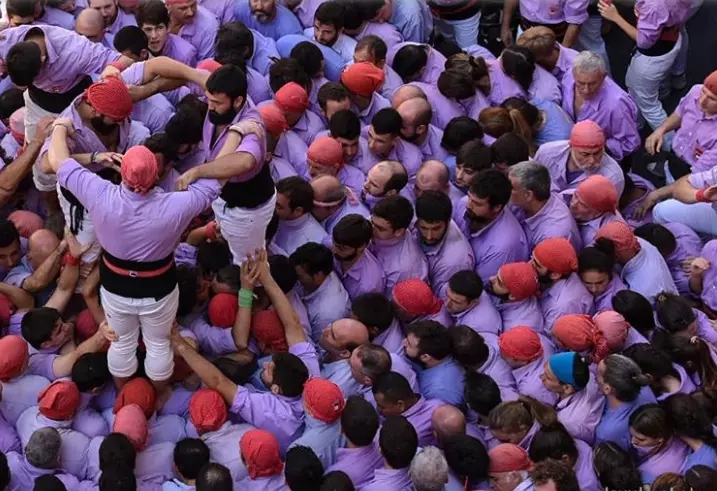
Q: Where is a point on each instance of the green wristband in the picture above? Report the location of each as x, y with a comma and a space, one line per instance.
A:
246, 298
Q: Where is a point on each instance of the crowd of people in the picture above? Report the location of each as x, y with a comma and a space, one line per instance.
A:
338, 245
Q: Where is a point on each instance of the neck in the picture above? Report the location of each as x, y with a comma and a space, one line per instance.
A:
613, 402
534, 207
694, 443
572, 166
432, 362
670, 384
421, 139
350, 444
346, 265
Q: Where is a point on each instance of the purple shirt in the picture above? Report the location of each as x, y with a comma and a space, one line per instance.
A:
249, 144
604, 300
387, 32
689, 245
269, 483
686, 384
655, 15
344, 45
390, 480
565, 296
588, 230
628, 212
431, 147
180, 49
323, 438
419, 415
352, 178
19, 394
358, 463
154, 112
496, 367
647, 273
377, 103
328, 303
292, 234
669, 459
155, 464
709, 278
70, 57
222, 9
9, 441
483, 317
56, 17
224, 447
391, 338
552, 220
475, 104
293, 149
434, 65
615, 422
527, 379
500, 242
280, 169
555, 155
444, 109
201, 33
264, 51
401, 259
364, 276
584, 469
581, 412
23, 475
570, 11
695, 140
451, 255
564, 63
521, 313
308, 126
123, 19
612, 109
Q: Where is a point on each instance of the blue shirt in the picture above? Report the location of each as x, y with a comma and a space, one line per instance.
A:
615, 423
283, 23
443, 382
323, 438
413, 19
557, 126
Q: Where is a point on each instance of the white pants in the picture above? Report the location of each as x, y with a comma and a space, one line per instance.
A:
643, 79
590, 39
680, 65
463, 32
244, 229
700, 217
126, 316
33, 114
86, 235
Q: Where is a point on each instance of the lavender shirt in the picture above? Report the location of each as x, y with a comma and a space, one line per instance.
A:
612, 109
604, 300
249, 144
155, 111
377, 103
201, 33
9, 441
647, 273
529, 383
443, 382
123, 19
419, 415
564, 63
328, 303
344, 45
180, 49
483, 317
499, 370
689, 244
293, 149
570, 11
364, 276
224, 447
390, 480
431, 147
22, 474
401, 259
588, 230
695, 140
581, 412
444, 109
308, 126
654, 16
292, 234
565, 296
614, 425
552, 220
155, 464
451, 255
391, 338
671, 458
359, 463
628, 212
392, 81
347, 208
434, 65
526, 312
584, 469
222, 9
269, 483
284, 21
20, 394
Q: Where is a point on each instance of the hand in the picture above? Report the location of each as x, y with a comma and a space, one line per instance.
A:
248, 127
110, 71
711, 193
111, 160
66, 123
653, 144
608, 10
249, 274
76, 249
699, 266
183, 182
43, 129
176, 339
687, 264
506, 35
647, 205
261, 258
107, 332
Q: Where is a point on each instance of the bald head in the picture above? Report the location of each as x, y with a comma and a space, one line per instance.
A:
324, 186
415, 111
90, 24
386, 178
405, 93
448, 421
433, 176
350, 332
40, 245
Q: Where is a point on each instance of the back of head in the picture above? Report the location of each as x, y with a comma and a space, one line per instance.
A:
429, 470
117, 478
43, 448
409, 61
636, 310
190, 455
375, 360
396, 210
287, 70
624, 376
460, 131
359, 421
492, 185
393, 386
670, 481
701, 478
309, 56
303, 469
24, 61
474, 155
374, 310
116, 449
234, 44
467, 457
38, 324
398, 441
519, 64
90, 371
214, 477
131, 39
49, 482
673, 311
552, 442
337, 481
659, 236
290, 374
510, 149
481, 392
469, 348
614, 467
533, 177
10, 101
557, 471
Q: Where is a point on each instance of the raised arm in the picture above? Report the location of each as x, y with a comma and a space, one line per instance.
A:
47, 271
59, 151
15, 172
163, 66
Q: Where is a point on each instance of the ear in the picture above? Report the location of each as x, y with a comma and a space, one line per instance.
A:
392, 192
275, 390
345, 354
555, 276
238, 102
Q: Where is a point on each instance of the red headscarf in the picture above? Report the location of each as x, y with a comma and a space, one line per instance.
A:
711, 82
268, 331
612, 331
26, 222
223, 309
587, 135
261, 453
621, 236
110, 97
207, 410
521, 343
137, 391
139, 168
14, 354
520, 279
326, 151
416, 298
557, 255
598, 193
292, 97
363, 78
508, 457
6, 309
575, 331
132, 423
59, 400
85, 325
274, 119
209, 65
323, 399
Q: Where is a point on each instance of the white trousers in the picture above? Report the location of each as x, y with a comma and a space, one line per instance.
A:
86, 235
590, 39
643, 79
33, 114
680, 64
244, 229
700, 217
126, 317
463, 32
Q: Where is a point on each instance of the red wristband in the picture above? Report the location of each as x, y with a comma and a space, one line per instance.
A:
119, 66
700, 196
210, 231
71, 260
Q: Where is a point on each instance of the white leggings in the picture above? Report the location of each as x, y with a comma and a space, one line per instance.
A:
126, 316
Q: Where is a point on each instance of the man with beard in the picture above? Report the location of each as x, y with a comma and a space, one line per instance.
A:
294, 202
153, 19
562, 292
446, 248
345, 128
470, 305
433, 175
492, 230
363, 80
417, 114
514, 289
428, 346
358, 268
384, 141
114, 17
387, 178
194, 24
268, 17
593, 204
328, 30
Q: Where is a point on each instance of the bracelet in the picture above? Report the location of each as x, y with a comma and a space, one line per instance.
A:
700, 196
211, 231
246, 298
71, 260
93, 158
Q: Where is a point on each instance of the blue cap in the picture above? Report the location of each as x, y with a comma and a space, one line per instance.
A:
562, 367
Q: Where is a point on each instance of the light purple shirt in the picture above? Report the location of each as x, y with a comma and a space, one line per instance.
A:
431, 147
364, 276
387, 32
564, 63
390, 480
154, 112
483, 317
180, 49
222, 9
19, 394
201, 33
451, 255
224, 447
615, 422
527, 379
391, 82
323, 438
669, 459
23, 475
264, 51
358, 463
249, 144
434, 65
496, 368
9, 441
555, 155
521, 313
155, 463
584, 469
555, 12
419, 415
612, 109
628, 212
352, 178
647, 273
328, 303
269, 483
391, 338
293, 149
552, 220
123, 19
689, 245
401, 259
581, 412
604, 300
655, 15
306, 10
695, 140
280, 169
565, 296
344, 45
308, 126
444, 109
56, 17
588, 230
292, 234
377, 103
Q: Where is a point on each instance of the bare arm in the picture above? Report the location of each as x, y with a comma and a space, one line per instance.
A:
18, 297
62, 366
683, 191
47, 271
65, 287
508, 10
163, 66
241, 329
155, 86
58, 151
571, 35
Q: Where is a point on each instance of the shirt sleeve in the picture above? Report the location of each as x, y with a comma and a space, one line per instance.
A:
650, 22
623, 122
307, 353
576, 11
90, 57
17, 276
700, 180
196, 199
688, 99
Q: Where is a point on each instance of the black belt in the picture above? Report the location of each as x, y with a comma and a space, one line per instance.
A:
558, 29
135, 287
466, 10
252, 193
56, 102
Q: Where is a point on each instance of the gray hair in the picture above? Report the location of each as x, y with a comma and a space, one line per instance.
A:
43, 448
589, 62
624, 376
429, 470
533, 177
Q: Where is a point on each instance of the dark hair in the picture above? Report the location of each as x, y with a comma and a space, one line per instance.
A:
152, 12
132, 39
24, 61
313, 258
552, 442
375, 360
433, 338
481, 392
562, 475
469, 348
234, 43
652, 421
514, 416
283, 272
393, 386
48, 482
309, 56
652, 361
459, 131
230, 275
387, 121
213, 256
689, 419
237, 372
286, 70
591, 259
530, 113
214, 477
38, 324
4, 472
345, 124
474, 155
398, 441
337, 481
510, 149
8, 233
674, 313
466, 283
659, 236
190, 454
162, 144
409, 61
229, 80
359, 421
693, 353
636, 310
186, 125
374, 45
493, 185
21, 8
519, 63
90, 371
10, 101
290, 373
303, 470
701, 478
467, 458
298, 191
614, 467
117, 478
581, 372
373, 310
396, 210
434, 207
456, 84
117, 450
352, 230
331, 91
331, 13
